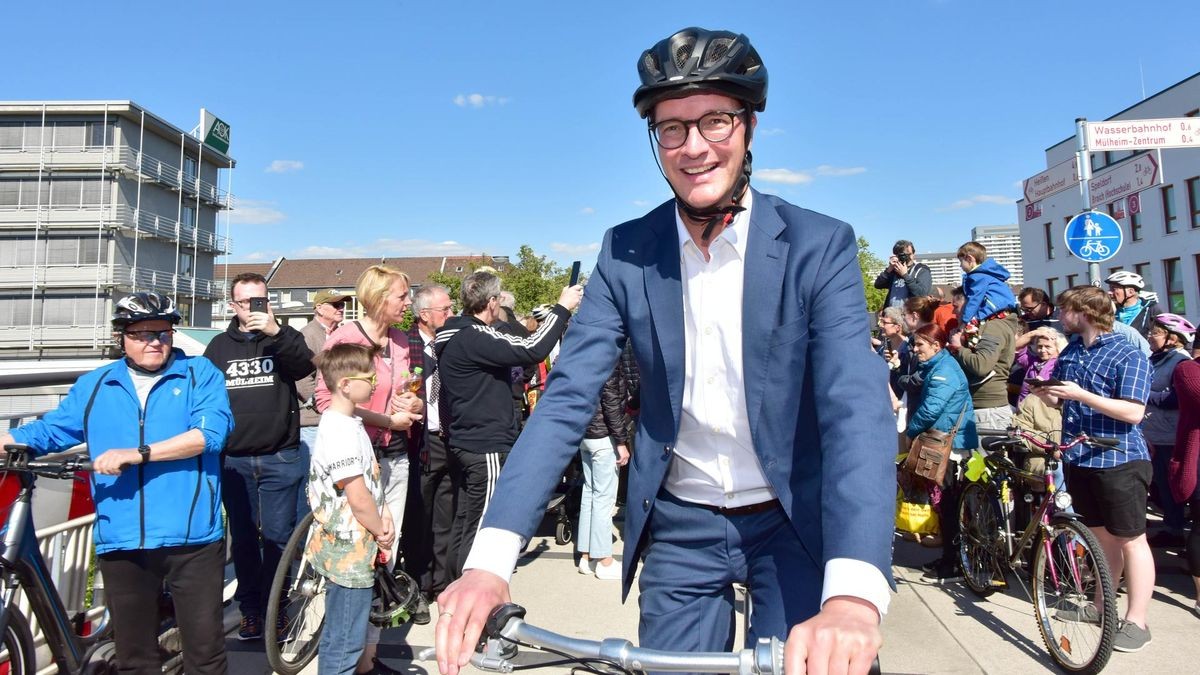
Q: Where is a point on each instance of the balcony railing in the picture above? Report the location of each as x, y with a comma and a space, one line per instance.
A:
122, 217
117, 158
106, 276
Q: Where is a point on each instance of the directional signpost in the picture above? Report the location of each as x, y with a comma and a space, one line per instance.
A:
1093, 236
1126, 178
1178, 132
1057, 178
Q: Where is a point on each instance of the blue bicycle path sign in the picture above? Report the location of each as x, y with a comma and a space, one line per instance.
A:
1093, 236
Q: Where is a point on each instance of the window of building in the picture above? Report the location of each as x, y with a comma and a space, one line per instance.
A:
1193, 189
69, 135
53, 310
100, 135
185, 263
1173, 271
1135, 226
189, 167
1045, 228
10, 191
1192, 113
1052, 287
1071, 279
1168, 204
1097, 161
11, 134
189, 217
1146, 273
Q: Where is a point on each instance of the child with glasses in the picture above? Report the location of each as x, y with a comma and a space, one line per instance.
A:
351, 525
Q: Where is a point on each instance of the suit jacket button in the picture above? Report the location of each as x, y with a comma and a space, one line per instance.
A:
645, 504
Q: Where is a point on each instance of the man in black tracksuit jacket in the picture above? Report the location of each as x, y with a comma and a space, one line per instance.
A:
263, 469
475, 363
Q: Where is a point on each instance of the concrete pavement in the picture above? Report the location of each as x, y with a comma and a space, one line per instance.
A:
929, 628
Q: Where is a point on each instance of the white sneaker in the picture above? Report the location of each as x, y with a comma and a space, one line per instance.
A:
609, 572
585, 566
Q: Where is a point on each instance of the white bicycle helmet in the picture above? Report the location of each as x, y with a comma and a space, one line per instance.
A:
1123, 278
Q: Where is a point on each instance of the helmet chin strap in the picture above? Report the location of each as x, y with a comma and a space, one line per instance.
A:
716, 214
146, 371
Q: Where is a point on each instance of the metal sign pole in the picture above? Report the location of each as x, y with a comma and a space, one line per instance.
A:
1085, 175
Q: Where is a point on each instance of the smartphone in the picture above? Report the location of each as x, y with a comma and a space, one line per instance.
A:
1033, 381
258, 305
574, 274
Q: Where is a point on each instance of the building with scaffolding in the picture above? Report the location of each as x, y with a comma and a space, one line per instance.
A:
99, 199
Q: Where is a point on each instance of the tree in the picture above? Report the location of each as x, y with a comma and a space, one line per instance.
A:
870, 264
533, 279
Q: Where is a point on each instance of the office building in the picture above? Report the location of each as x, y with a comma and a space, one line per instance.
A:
99, 199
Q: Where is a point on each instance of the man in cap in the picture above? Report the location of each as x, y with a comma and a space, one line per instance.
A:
763, 453
329, 308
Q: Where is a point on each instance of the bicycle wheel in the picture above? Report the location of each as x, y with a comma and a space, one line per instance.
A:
1073, 597
297, 593
980, 529
17, 656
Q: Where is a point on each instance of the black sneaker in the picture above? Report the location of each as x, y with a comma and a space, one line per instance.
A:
282, 636
1131, 637
251, 628
945, 571
420, 615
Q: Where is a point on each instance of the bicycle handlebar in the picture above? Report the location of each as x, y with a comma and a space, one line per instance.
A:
17, 458
1017, 434
507, 626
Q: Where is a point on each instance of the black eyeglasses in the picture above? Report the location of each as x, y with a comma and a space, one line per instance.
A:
714, 127
150, 335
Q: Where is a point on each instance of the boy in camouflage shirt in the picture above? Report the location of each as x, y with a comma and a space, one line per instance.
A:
351, 526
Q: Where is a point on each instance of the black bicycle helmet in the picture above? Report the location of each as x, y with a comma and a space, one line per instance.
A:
395, 597
144, 307
696, 60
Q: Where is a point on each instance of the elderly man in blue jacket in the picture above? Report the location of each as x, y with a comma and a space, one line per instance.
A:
154, 423
766, 445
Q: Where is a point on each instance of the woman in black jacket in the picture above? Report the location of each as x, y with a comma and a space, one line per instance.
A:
604, 448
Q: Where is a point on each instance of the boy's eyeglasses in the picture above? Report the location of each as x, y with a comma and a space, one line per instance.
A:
369, 379
150, 335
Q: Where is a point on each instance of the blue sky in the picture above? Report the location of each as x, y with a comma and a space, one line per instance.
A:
387, 128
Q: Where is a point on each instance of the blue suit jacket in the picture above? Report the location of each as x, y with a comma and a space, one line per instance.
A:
816, 397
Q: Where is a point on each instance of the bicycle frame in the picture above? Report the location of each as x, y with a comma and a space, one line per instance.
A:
23, 567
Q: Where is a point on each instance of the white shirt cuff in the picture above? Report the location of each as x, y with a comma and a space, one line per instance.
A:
496, 551
846, 576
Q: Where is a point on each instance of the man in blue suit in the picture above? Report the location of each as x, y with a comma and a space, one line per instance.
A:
764, 453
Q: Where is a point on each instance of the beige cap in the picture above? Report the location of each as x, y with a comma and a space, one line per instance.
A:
329, 295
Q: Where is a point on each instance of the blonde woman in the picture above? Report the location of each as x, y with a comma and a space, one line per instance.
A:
383, 294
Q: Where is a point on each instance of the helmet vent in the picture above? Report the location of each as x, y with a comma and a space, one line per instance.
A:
651, 64
717, 51
683, 52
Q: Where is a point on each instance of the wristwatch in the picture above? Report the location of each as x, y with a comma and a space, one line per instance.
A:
144, 451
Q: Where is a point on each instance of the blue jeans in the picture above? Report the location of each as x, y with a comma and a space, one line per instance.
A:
345, 633
599, 496
260, 494
308, 442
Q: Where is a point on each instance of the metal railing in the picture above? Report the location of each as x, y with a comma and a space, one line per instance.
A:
71, 275
122, 217
117, 157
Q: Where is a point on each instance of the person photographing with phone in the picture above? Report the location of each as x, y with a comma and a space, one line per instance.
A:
264, 466
904, 277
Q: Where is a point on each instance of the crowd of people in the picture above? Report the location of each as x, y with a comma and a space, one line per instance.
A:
1112, 365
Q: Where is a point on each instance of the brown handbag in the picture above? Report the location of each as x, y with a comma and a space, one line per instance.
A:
930, 452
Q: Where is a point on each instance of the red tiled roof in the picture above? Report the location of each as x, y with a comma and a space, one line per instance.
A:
342, 273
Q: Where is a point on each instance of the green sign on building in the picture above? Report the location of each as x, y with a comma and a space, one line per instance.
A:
215, 131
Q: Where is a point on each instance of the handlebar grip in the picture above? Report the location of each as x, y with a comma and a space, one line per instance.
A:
992, 432
1103, 442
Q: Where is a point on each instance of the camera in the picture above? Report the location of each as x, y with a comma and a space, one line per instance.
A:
904, 258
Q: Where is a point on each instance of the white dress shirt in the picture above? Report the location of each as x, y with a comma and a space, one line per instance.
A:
714, 461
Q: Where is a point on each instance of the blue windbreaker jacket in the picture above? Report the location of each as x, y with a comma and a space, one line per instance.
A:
152, 505
944, 395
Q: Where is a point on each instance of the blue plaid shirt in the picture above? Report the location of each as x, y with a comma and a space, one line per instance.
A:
1111, 368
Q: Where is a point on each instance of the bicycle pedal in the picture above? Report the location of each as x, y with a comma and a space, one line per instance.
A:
999, 583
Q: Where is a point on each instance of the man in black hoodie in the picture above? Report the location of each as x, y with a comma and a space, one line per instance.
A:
475, 363
263, 468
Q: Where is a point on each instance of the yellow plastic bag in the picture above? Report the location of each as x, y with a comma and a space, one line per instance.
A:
914, 512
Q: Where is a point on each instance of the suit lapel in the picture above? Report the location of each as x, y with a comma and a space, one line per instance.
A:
762, 290
664, 292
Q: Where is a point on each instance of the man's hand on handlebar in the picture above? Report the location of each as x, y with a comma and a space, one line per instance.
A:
464, 608
111, 462
843, 638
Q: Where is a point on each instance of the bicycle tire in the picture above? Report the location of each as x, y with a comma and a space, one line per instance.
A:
1077, 646
17, 657
297, 592
980, 523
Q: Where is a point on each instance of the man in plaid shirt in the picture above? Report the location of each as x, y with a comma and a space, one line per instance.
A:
1105, 384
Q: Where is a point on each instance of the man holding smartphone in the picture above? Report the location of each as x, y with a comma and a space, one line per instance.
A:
904, 277
263, 467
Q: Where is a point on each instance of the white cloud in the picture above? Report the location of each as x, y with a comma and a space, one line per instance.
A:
641, 202
254, 257
827, 170
254, 212
285, 165
392, 248
806, 176
999, 200
776, 131
575, 249
587, 211
479, 100
786, 176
